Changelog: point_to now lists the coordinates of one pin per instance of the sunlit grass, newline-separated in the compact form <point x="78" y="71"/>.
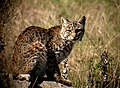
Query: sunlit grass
<point x="102" y="33"/>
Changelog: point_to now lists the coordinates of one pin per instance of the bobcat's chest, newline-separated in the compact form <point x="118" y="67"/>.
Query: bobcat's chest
<point x="62" y="50"/>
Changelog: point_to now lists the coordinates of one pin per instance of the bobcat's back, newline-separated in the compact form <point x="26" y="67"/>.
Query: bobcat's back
<point x="29" y="49"/>
<point x="38" y="51"/>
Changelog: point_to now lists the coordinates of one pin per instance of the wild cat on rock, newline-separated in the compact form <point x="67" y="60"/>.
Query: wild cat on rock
<point x="38" y="51"/>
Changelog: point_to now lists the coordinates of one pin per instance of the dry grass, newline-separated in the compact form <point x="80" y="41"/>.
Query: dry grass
<point x="102" y="34"/>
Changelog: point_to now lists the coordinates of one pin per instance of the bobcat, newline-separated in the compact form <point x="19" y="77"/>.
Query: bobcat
<point x="38" y="51"/>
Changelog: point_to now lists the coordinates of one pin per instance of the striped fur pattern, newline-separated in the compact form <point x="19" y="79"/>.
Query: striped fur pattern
<point x="38" y="51"/>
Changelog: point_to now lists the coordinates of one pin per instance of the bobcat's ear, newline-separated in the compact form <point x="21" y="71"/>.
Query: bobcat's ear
<point x="82" y="20"/>
<point x="64" y="21"/>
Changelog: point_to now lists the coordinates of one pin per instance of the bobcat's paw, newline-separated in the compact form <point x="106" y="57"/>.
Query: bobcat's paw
<point x="66" y="82"/>
<point x="23" y="77"/>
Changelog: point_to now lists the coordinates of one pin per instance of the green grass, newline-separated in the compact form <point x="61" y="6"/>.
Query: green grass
<point x="102" y="33"/>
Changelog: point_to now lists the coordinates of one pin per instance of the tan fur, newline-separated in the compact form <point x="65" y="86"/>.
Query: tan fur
<point x="38" y="51"/>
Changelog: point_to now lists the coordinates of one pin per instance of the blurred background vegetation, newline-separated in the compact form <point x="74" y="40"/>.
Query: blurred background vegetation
<point x="94" y="62"/>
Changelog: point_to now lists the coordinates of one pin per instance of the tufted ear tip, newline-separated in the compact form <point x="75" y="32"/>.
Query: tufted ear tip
<point x="64" y="20"/>
<point x="82" y="20"/>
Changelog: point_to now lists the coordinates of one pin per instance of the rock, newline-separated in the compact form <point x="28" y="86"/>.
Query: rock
<point x="45" y="84"/>
<point x="19" y="84"/>
<point x="52" y="84"/>
<point x="6" y="81"/>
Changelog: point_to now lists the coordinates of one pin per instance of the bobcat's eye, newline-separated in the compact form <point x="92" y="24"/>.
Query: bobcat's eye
<point x="75" y="24"/>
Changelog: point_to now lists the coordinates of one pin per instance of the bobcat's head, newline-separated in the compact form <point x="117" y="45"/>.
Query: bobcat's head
<point x="72" y="30"/>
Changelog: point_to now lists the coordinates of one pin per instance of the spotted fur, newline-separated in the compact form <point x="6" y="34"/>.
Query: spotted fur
<point x="38" y="51"/>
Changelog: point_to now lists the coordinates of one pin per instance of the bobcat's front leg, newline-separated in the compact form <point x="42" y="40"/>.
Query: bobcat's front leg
<point x="53" y="73"/>
<point x="60" y="79"/>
